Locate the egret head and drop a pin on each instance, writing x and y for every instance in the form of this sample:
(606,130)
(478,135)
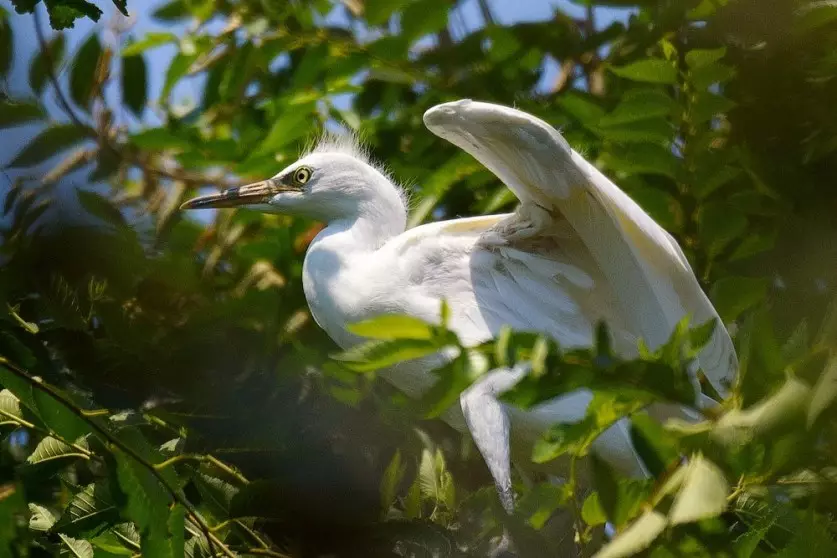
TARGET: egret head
(334,180)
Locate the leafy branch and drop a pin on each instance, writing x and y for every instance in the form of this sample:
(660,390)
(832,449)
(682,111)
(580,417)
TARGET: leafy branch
(122,446)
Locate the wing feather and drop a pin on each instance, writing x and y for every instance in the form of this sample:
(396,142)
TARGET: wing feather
(651,286)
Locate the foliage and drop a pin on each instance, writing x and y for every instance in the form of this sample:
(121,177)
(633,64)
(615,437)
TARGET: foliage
(165,392)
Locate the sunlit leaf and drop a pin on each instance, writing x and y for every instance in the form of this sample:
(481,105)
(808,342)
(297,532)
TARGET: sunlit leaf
(650,71)
(41,518)
(91,509)
(51,449)
(9,408)
(703,493)
(378,354)
(78,548)
(638,536)
(392,327)
(390,482)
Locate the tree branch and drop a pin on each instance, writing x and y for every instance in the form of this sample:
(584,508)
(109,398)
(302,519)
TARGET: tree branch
(62,100)
(104,433)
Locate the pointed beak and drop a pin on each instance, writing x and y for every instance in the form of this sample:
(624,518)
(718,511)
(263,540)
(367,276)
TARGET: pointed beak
(250,194)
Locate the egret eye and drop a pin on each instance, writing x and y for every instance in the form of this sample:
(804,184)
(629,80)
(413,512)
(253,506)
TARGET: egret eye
(302,175)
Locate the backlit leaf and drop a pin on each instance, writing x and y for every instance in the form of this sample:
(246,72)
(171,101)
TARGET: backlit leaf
(392,327)
(638,536)
(134,83)
(650,71)
(49,143)
(703,493)
(83,70)
(45,62)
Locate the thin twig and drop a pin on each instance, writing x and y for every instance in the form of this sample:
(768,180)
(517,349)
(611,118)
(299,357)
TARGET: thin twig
(26,424)
(51,73)
(203,459)
(175,495)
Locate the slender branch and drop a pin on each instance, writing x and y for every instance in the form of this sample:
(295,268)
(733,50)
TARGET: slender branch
(119,444)
(203,459)
(26,424)
(65,105)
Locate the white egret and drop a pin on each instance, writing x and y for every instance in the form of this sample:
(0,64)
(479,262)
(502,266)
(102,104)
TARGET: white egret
(575,252)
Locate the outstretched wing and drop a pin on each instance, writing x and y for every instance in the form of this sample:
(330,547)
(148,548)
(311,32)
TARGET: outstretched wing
(571,212)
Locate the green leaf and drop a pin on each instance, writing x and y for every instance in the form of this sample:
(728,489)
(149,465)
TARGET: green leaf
(643,158)
(51,449)
(703,493)
(392,326)
(9,408)
(149,40)
(719,226)
(825,392)
(657,131)
(290,126)
(101,207)
(14,113)
(90,509)
(649,71)
(604,410)
(122,6)
(592,512)
(733,296)
(63,14)
(708,105)
(584,110)
(703,57)
(6,45)
(621,499)
(704,76)
(390,481)
(159,139)
(378,354)
(640,104)
(147,505)
(41,518)
(434,479)
(134,83)
(83,71)
(412,503)
(377,12)
(78,548)
(657,447)
(816,14)
(217,493)
(46,62)
(19,387)
(59,418)
(540,502)
(424,17)
(173,11)
(178,68)
(49,143)
(635,538)
(783,411)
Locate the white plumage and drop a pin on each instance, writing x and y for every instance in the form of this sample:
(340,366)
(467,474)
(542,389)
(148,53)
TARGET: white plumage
(575,252)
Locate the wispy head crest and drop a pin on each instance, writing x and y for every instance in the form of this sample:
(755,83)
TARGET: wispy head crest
(347,142)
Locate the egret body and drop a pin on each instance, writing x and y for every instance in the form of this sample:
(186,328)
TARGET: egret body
(576,251)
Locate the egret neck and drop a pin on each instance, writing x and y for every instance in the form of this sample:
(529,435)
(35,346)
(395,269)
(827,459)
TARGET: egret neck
(336,267)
